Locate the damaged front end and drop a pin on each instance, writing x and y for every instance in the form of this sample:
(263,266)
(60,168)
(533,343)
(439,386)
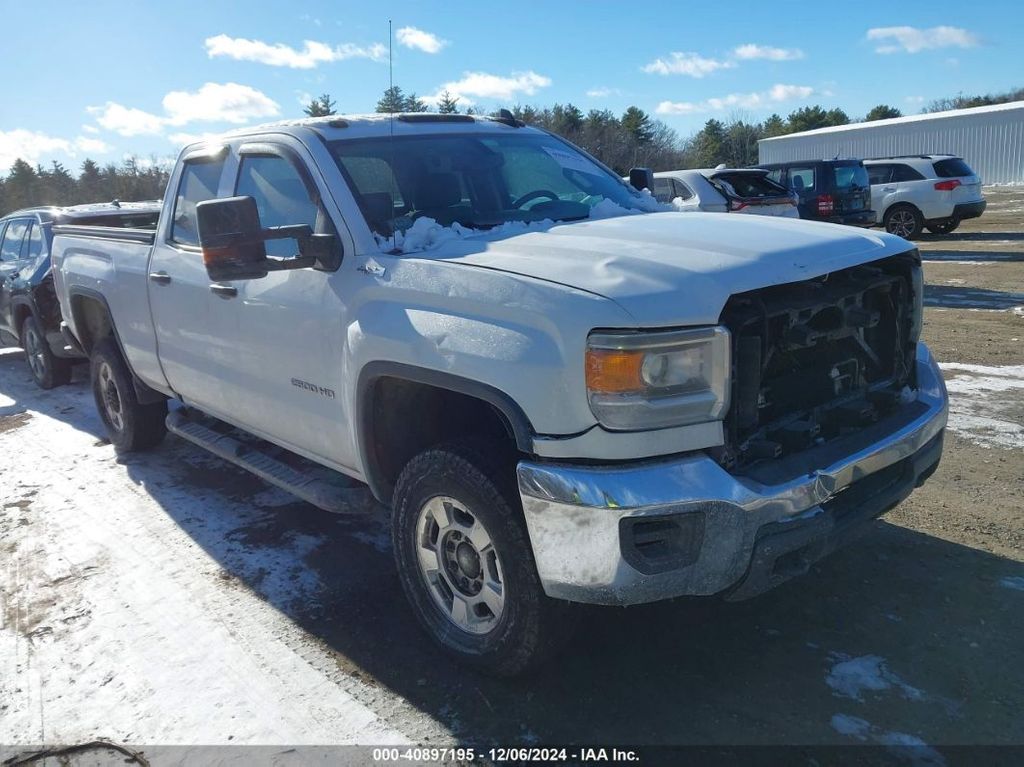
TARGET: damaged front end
(819,359)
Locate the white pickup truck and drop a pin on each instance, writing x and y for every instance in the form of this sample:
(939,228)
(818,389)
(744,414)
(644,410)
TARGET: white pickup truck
(562,396)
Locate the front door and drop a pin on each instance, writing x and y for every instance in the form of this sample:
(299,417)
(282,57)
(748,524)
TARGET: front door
(288,329)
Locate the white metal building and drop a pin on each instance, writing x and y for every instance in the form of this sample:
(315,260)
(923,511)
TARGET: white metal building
(990,139)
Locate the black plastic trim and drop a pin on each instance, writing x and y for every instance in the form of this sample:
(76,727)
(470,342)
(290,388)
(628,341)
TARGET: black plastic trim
(145,393)
(522,430)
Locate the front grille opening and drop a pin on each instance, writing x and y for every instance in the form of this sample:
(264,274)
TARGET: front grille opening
(818,359)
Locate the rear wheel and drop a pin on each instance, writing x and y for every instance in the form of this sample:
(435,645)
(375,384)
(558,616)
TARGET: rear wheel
(943,227)
(904,221)
(48,370)
(130,424)
(465,561)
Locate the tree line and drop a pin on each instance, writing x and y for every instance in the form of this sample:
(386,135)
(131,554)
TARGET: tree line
(134,179)
(621,141)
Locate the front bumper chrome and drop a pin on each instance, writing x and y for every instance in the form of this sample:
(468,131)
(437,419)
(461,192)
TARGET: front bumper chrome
(579,516)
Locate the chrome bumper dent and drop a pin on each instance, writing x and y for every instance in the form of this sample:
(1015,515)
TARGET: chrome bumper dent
(573,512)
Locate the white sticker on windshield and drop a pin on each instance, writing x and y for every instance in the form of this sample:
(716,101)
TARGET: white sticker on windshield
(570,160)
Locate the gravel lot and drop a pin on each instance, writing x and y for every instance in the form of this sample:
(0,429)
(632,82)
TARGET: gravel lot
(170,598)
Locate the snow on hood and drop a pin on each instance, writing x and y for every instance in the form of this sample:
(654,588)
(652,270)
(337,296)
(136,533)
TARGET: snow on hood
(662,268)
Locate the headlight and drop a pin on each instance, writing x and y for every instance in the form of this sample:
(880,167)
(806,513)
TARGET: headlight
(653,380)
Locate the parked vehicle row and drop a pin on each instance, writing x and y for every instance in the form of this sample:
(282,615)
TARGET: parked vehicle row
(29,312)
(903,194)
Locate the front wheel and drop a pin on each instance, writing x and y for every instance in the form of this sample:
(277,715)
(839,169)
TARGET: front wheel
(465,562)
(943,227)
(130,425)
(48,370)
(904,221)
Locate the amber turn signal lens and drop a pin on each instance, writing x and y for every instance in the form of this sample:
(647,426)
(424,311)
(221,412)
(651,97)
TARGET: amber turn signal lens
(614,371)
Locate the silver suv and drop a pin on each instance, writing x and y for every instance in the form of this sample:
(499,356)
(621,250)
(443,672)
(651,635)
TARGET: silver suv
(912,192)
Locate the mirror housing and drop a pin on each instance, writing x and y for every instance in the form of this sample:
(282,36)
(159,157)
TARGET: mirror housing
(232,239)
(641,178)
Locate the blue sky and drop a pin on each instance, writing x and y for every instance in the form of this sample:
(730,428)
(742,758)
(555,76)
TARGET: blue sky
(105,79)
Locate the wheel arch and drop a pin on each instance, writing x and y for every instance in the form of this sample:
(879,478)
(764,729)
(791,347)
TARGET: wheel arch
(386,392)
(93,321)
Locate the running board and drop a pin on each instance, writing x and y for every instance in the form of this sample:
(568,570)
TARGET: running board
(324,488)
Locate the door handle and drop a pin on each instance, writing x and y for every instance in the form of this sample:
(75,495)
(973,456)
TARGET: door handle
(889,189)
(224,291)
(160,278)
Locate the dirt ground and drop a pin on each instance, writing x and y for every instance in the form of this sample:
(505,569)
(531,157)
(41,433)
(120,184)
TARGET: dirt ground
(911,635)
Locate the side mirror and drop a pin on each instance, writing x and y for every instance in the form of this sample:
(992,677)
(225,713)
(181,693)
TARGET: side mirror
(641,178)
(232,239)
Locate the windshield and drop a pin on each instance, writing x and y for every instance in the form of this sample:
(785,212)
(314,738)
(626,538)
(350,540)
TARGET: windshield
(849,176)
(476,180)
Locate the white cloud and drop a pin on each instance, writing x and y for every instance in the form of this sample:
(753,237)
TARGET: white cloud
(751,51)
(33,147)
(601,93)
(91,145)
(213,102)
(419,40)
(90,129)
(915,40)
(311,55)
(759,100)
(690,64)
(126,121)
(487,86)
(218,102)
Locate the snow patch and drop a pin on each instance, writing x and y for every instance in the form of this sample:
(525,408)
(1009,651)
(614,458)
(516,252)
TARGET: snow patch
(427,234)
(985,403)
(905,747)
(851,677)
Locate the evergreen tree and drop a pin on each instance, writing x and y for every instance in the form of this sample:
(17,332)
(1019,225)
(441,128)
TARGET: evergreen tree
(414,104)
(90,183)
(393,100)
(707,144)
(448,104)
(882,112)
(637,124)
(22,186)
(773,126)
(321,107)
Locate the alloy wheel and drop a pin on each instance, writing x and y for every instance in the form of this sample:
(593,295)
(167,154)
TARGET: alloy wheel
(460,565)
(902,223)
(111,397)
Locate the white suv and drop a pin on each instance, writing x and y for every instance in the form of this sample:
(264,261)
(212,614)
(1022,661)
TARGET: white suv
(937,191)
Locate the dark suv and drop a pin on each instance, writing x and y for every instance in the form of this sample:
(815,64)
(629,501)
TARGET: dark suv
(837,191)
(29,313)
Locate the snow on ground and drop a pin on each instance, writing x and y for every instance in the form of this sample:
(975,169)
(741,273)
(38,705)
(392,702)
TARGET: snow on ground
(906,748)
(986,403)
(851,677)
(115,623)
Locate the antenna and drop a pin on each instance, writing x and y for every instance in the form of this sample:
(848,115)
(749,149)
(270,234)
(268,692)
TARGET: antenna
(391,131)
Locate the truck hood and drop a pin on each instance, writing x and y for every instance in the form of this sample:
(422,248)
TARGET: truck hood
(675,268)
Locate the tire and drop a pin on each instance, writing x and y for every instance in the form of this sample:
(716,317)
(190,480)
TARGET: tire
(943,227)
(47,369)
(130,425)
(904,221)
(503,631)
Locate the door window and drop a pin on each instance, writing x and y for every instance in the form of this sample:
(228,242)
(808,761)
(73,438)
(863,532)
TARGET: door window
(663,190)
(10,248)
(905,173)
(199,181)
(681,190)
(32,248)
(282,198)
(801,180)
(879,174)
